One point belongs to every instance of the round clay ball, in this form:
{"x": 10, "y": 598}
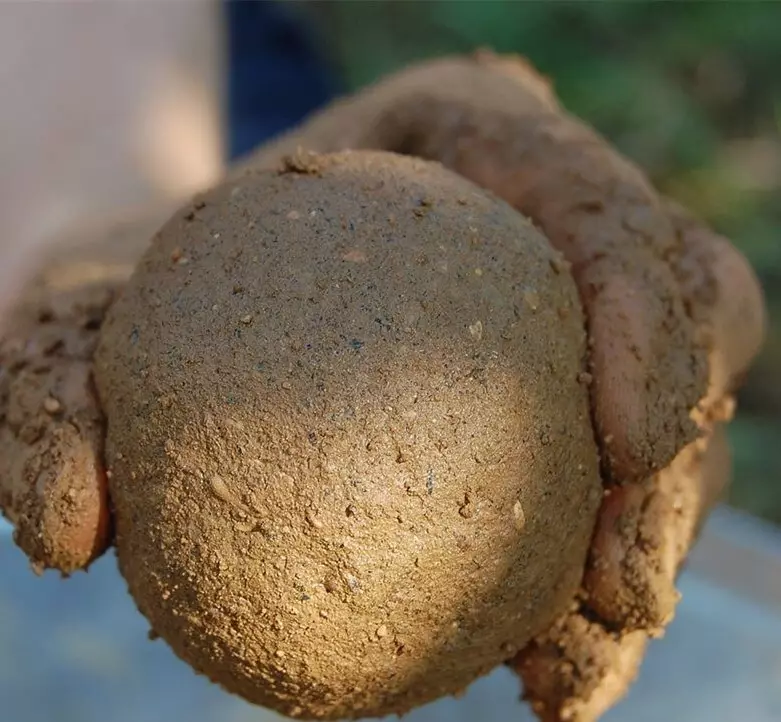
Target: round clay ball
{"x": 349, "y": 441}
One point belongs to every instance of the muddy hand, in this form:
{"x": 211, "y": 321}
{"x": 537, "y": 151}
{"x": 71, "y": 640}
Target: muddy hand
{"x": 675, "y": 317}
{"x": 586, "y": 662}
{"x": 52, "y": 478}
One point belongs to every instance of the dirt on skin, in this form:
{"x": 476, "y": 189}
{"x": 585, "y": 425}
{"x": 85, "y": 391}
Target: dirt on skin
{"x": 51, "y": 431}
{"x": 584, "y": 663}
{"x": 347, "y": 424}
{"x": 675, "y": 317}
{"x": 52, "y": 476}
{"x": 496, "y": 121}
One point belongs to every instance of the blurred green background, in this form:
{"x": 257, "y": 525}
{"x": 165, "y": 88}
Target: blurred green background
{"x": 690, "y": 91}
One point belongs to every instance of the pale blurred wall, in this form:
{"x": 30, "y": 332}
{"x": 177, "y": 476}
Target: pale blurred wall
{"x": 105, "y": 107}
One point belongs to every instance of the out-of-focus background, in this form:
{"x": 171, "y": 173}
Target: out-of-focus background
{"x": 113, "y": 107}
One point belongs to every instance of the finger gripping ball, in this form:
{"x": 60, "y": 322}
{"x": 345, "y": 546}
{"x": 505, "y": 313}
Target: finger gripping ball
{"x": 351, "y": 455}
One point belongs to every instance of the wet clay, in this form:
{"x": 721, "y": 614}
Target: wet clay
{"x": 347, "y": 424}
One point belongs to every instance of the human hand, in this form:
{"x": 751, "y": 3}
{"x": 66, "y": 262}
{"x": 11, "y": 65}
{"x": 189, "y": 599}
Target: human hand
{"x": 674, "y": 317}
{"x": 52, "y": 475}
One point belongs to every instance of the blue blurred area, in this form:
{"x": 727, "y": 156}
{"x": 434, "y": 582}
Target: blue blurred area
{"x": 276, "y": 74}
{"x": 77, "y": 651}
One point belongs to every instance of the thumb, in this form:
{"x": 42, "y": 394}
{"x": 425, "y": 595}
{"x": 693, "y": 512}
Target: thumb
{"x": 53, "y": 484}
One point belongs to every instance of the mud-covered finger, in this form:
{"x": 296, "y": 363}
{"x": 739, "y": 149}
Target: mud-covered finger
{"x": 724, "y": 297}
{"x": 578, "y": 670}
{"x": 52, "y": 480}
{"x": 644, "y": 533}
{"x": 585, "y": 663}
{"x": 53, "y": 484}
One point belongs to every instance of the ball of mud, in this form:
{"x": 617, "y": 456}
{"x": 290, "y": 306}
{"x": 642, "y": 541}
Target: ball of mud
{"x": 350, "y": 447}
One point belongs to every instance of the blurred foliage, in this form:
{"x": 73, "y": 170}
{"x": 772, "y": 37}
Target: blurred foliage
{"x": 691, "y": 91}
